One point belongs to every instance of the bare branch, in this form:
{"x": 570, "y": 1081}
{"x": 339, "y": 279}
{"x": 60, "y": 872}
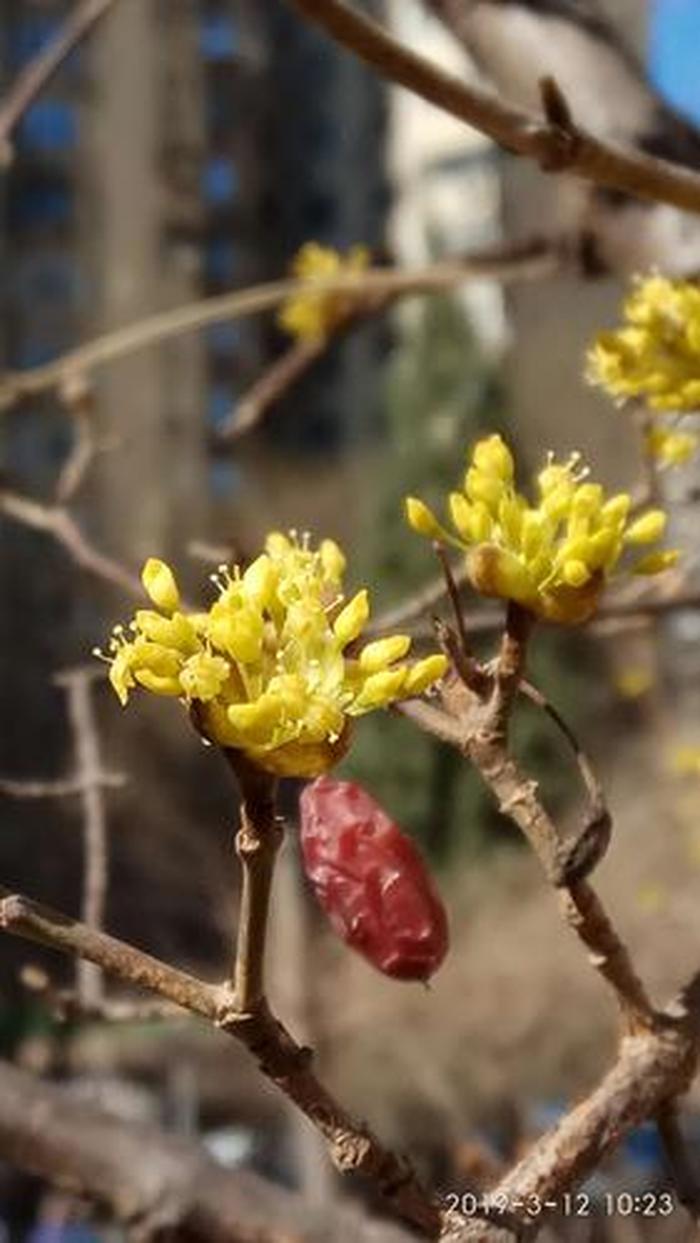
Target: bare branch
{"x": 66, "y": 787}
{"x": 469, "y": 723}
{"x": 651, "y": 1068}
{"x": 555, "y": 147}
{"x": 35, "y": 76}
{"x": 352, "y": 1146}
{"x": 62, "y": 526}
{"x": 178, "y": 1192}
{"x": 271, "y": 387}
{"x": 78, "y": 400}
{"x": 78, "y": 685}
{"x": 237, "y": 305}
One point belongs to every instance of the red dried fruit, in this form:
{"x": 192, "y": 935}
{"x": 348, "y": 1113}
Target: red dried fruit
{"x": 371, "y": 881}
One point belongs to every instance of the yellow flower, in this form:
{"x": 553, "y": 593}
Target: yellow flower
{"x": 684, "y": 760}
{"x": 552, "y": 557}
{"x": 633, "y": 681}
{"x": 310, "y": 316}
{"x": 670, "y": 447}
{"x": 269, "y": 669}
{"x": 655, "y": 355}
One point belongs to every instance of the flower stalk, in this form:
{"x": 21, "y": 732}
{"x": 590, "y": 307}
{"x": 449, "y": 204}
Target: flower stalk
{"x": 258, "y": 841}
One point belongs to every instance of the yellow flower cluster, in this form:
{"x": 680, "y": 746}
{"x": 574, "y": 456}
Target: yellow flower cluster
{"x": 669, "y": 446}
{"x": 554, "y": 557}
{"x": 655, "y": 355}
{"x": 274, "y": 667}
{"x": 310, "y": 316}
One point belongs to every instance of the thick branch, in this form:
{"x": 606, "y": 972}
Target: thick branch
{"x": 553, "y": 147}
{"x": 178, "y": 1189}
{"x": 352, "y": 1146}
{"x": 652, "y": 1068}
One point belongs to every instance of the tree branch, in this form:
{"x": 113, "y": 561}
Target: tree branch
{"x": 78, "y": 684}
{"x": 179, "y": 1191}
{"x": 237, "y": 305}
{"x": 58, "y": 522}
{"x": 35, "y": 76}
{"x": 555, "y": 147}
{"x": 352, "y": 1146}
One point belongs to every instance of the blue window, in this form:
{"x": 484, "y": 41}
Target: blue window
{"x": 50, "y": 126}
{"x": 219, "y": 405}
{"x": 224, "y": 477}
{"x": 674, "y": 39}
{"x": 27, "y": 36}
{"x": 46, "y": 280}
{"x": 217, "y": 36}
{"x": 219, "y": 181}
{"x": 223, "y": 339}
{"x": 37, "y": 206}
{"x": 220, "y": 261}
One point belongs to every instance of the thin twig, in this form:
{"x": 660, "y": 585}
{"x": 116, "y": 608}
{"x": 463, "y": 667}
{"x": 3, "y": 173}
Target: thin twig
{"x": 78, "y": 684}
{"x": 58, "y": 522}
{"x": 65, "y": 787}
{"x": 35, "y": 76}
{"x": 555, "y": 147}
{"x": 279, "y": 378}
{"x": 86, "y": 359}
{"x": 302, "y": 356}
{"x": 78, "y": 399}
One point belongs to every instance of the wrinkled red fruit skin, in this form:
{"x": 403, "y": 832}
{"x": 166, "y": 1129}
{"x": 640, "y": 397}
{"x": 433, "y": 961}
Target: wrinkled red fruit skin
{"x": 371, "y": 881}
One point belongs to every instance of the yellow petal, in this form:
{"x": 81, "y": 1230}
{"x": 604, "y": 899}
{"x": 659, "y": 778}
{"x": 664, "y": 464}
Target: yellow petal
{"x": 493, "y": 457}
{"x": 159, "y": 583}
{"x": 332, "y": 560}
{"x": 158, "y": 683}
{"x": 380, "y": 689}
{"x": 422, "y": 519}
{"x": 383, "y": 652}
{"x": 423, "y": 674}
{"x": 259, "y": 580}
{"x": 657, "y": 562}
{"x": 647, "y": 529}
{"x": 351, "y": 620}
{"x": 575, "y": 573}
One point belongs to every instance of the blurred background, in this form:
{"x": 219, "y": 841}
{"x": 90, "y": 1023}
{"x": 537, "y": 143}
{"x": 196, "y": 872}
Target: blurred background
{"x": 190, "y": 148}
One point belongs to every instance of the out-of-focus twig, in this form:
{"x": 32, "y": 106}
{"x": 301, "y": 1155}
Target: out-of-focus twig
{"x": 35, "y": 76}
{"x": 65, "y": 787}
{"x": 57, "y": 521}
{"x": 556, "y": 145}
{"x": 78, "y": 685}
{"x": 106, "y": 349}
{"x": 154, "y": 1185}
{"x": 528, "y": 260}
{"x": 273, "y": 385}
{"x": 78, "y": 399}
